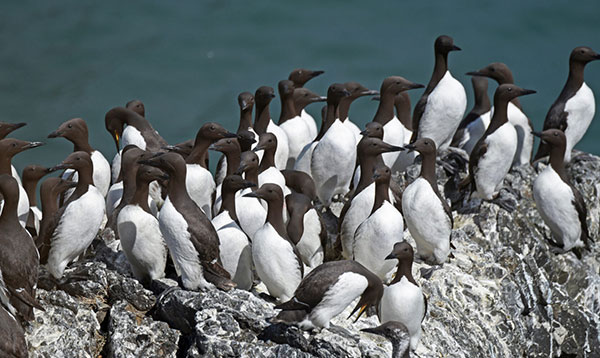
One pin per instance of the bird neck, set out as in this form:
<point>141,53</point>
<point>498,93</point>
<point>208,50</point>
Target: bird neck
<point>49,204</point>
<point>385,110</point>
<point>428,168</point>
<point>176,187</point>
<point>397,350</point>
<point>482,102</point>
<point>5,164</point>
<point>295,228</point>
<point>129,186</point>
<point>367,162</point>
<point>29,186</point>
<point>381,194</point>
<point>251,175</point>
<point>268,159</point>
<point>9,210</point>
<point>344,107</point>
<point>229,204</point>
<point>233,157</point>
<point>329,119</point>
<point>263,116</point>
<point>403,110</point>
<point>557,155</point>
<point>288,111</point>
<point>275,217</point>
<point>439,70</point>
<point>500,115</point>
<point>245,119</point>
<point>576,70</point>
<point>81,143</point>
<point>199,152</point>
<point>404,269</point>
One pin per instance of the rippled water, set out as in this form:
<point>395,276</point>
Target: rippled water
<point>188,60</point>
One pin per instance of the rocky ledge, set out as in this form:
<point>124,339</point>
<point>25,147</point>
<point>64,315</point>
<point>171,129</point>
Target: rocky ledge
<point>506,293</point>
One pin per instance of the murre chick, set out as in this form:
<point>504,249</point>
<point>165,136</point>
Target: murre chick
<point>80,217</point>
<point>381,229</point>
<point>10,147</point>
<point>192,240</point>
<point>139,232</point>
<point>326,292</point>
<point>264,124</point>
<point>333,158</point>
<point>403,300</point>
<point>19,259</point>
<point>76,131</point>
<point>235,250</point>
<point>573,110</point>
<point>441,107</point>
<point>397,334</point>
<point>560,204</point>
<point>275,257</point>
<point>422,205</point>
<point>503,75</point>
<point>472,127</point>
<point>491,158</point>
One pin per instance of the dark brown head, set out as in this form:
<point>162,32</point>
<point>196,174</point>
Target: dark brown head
<point>226,145</point>
<point>55,186</point>
<point>298,204</point>
<point>373,130</point>
<point>382,174</point>
<point>264,95</point>
<point>213,131</point>
<point>303,97</point>
<point>266,141</point>
<point>170,163</point>
<point>300,76</point>
<point>114,124</point>
<point>402,252</point>
<point>7,128</point>
<point>445,44</point>
<point>246,139</point>
<point>147,174</point>
<point>183,148</point>
<point>33,173</point>
<point>554,137</point>
<point>245,101</point>
<point>497,71</point>
<point>375,146</point>
<point>397,84</point>
<point>73,130</point>
<point>300,182</point>
<point>9,147</point>
<point>507,92</point>
<point>271,193</point>
<point>137,106</point>
<point>286,88</point>
<point>423,146</point>
<point>357,90</point>
<point>233,183</point>
<point>583,55</point>
<point>248,161</point>
<point>75,161</point>
<point>335,93</point>
<point>480,85</point>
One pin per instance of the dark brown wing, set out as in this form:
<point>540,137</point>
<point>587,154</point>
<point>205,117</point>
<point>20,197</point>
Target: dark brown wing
<point>478,152</point>
<point>555,119</point>
<point>582,212</point>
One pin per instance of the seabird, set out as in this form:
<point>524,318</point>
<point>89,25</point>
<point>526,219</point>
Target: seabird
<point>302,98</point>
<point>306,229</point>
<point>472,127</point>
<point>6,129</point>
<point>298,133</point>
<point>31,176</point>
<point>250,212</point>
<point>300,76</point>
<point>12,336</point>
<point>264,124</point>
<point>397,334</point>
<point>356,91</point>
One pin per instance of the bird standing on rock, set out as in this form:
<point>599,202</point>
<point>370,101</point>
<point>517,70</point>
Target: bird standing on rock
<point>440,109</point>
<point>559,203</point>
<point>472,127</point>
<point>397,334</point>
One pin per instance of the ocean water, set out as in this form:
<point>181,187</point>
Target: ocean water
<point>188,60</point>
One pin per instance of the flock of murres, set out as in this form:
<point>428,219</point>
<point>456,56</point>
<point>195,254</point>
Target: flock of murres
<point>256,219</point>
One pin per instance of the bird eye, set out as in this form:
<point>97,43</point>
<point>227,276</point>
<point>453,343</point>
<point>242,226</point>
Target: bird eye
<point>582,52</point>
<point>14,145</point>
<point>509,89</point>
<point>253,159</point>
<point>270,191</point>
<point>556,134</point>
<point>212,128</point>
<point>70,126</point>
<point>228,141</point>
<point>270,140</point>
<point>78,158</point>
<point>492,69</point>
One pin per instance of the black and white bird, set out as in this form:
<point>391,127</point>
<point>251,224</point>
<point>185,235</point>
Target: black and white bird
<point>275,257</point>
<point>403,300</point>
<point>306,229</point>
<point>440,109</point>
<point>300,76</point>
<point>422,204</point>
<point>263,123</point>
<point>192,240</point>
<point>397,334</point>
<point>251,212</point>
<point>31,176</point>
<point>326,292</point>
<point>559,203</point>
<point>472,127</point>
<point>356,91</point>
<point>573,110</point>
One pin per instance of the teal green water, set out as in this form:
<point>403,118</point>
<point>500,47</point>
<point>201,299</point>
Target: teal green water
<point>188,60</point>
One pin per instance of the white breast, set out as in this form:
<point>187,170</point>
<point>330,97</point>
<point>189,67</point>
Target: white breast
<point>445,108</point>
<point>174,229</point>
<point>496,162</point>
<point>404,302</point>
<point>375,238</point>
<point>23,208</point>
<point>142,243</point>
<point>310,123</point>
<point>333,161</point>
<point>116,166</point>
<point>580,109</point>
<point>76,229</point>
<point>340,295</point>
<point>101,174</point>
<point>524,137</point>
<point>201,186</point>
<point>276,263</point>
<point>474,131</point>
<point>250,212</point>
<point>394,134</point>
<point>132,135</point>
<point>283,146</point>
<point>273,175</point>
<point>37,217</point>
<point>235,251</point>
<point>554,200</point>
<point>359,211</point>
<point>303,162</point>
<point>421,207</point>
<point>298,135</point>
<point>113,197</point>
<point>354,129</point>
<point>309,247</point>
<point>15,174</point>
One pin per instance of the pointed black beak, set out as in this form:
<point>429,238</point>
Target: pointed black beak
<point>597,56</point>
<point>376,98</point>
<point>525,92</point>
<point>537,134</point>
<point>456,48</point>
<point>372,330</point>
<point>369,93</point>
<point>54,134</point>
<point>319,99</point>
<point>390,256</point>
<point>59,167</point>
<point>240,170</point>
<point>229,135</point>
<point>18,125</point>
<point>252,195</point>
<point>247,184</point>
<point>415,86</point>
<point>410,147</point>
<point>34,145</point>
<point>317,73</point>
<point>474,73</point>
<point>246,105</point>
